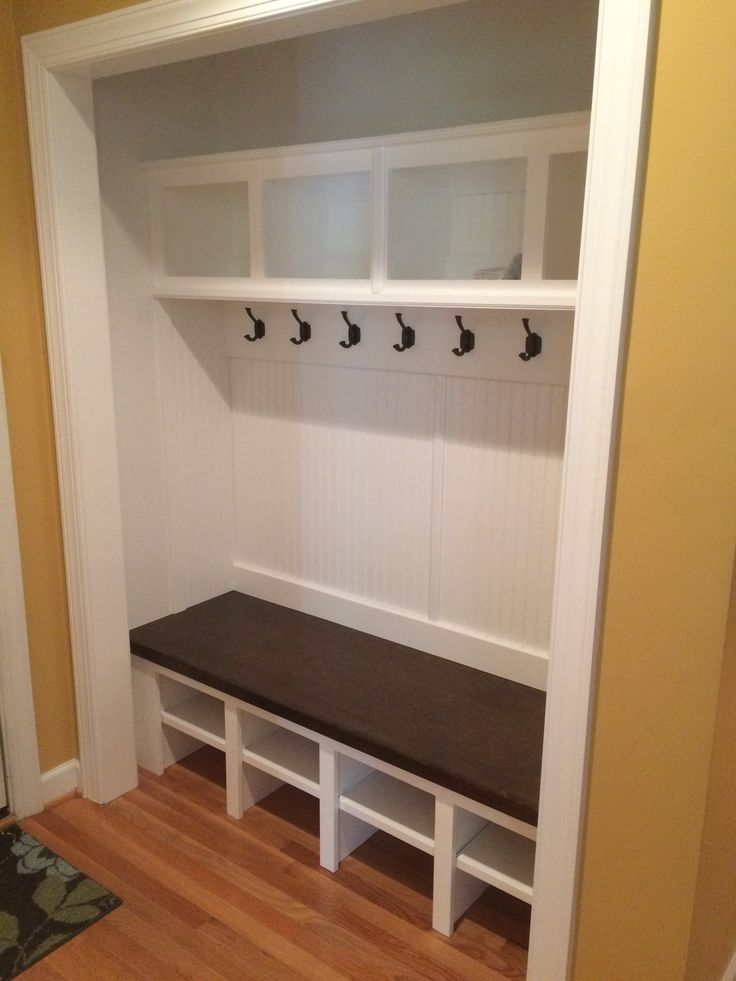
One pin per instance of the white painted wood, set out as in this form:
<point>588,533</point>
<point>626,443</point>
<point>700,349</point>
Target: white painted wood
<point>501,859</point>
<point>439,466</point>
<point>609,235</point>
<point>151,33</point>
<point>453,891</point>
<point>257,784</point>
<point>199,716</point>
<point>17,715</point>
<point>68,212</point>
<point>512,661</point>
<point>478,172</point>
<point>357,793</point>
<point>289,757</point>
<point>339,833</point>
<point>175,687</point>
<point>60,781</point>
<point>234,779</point>
<point>499,339</point>
<point>535,212</point>
<point>329,794</point>
<point>352,832</point>
<point>332,478</point>
<point>140,36</point>
<point>730,974</point>
<point>197,463</point>
<point>453,144</point>
<point>380,218</point>
<point>501,484</point>
<point>147,709</point>
<point>349,504</point>
<point>255,225</point>
<point>258,723</point>
<point>393,806</point>
<point>552,295</point>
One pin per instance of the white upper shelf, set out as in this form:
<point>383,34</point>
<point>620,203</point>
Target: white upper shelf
<point>473,216</point>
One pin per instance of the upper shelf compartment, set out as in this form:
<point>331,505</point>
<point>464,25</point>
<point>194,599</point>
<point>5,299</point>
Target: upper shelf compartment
<point>486,215</point>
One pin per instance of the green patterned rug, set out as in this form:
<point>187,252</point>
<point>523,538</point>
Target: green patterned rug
<point>44,901</point>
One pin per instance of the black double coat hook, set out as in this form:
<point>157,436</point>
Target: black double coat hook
<point>353,332</point>
<point>305,330</point>
<point>408,335</point>
<point>259,328</point>
<point>467,339</point>
<point>532,343</point>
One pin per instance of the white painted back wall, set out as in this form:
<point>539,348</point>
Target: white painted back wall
<point>175,390</point>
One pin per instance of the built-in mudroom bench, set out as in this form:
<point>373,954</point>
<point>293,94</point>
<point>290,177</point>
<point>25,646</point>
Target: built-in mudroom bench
<point>341,351</point>
<point>443,756</point>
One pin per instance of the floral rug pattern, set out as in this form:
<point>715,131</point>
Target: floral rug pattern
<point>44,901</point>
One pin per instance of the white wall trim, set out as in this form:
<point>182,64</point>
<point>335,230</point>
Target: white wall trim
<point>152,33</point>
<point>63,779</point>
<point>730,974</point>
<point>17,715</point>
<point>64,155</point>
<point>608,243</point>
<point>65,177</point>
<point>515,662</point>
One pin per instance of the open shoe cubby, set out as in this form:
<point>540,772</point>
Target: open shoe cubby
<point>472,844</point>
<point>469,214</point>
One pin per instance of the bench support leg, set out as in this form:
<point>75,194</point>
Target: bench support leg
<point>339,833</point>
<point>454,891</point>
<point>149,740</point>
<point>234,781</point>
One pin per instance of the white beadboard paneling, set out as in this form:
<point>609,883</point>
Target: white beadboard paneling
<point>195,411</point>
<point>424,492</point>
<point>421,482</point>
<point>502,468</point>
<point>333,477</point>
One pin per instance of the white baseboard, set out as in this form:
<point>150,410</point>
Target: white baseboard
<point>63,779</point>
<point>526,666</point>
<point>730,974</point>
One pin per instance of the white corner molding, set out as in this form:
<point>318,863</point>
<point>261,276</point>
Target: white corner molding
<point>59,782</point>
<point>17,716</point>
<point>159,32</point>
<point>64,155</point>
<point>608,244</point>
<point>59,65</point>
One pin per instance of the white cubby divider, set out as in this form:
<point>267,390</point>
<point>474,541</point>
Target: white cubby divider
<point>472,844</point>
<point>457,216</point>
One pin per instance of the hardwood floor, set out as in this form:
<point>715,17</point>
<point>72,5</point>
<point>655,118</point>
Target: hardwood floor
<point>208,897</point>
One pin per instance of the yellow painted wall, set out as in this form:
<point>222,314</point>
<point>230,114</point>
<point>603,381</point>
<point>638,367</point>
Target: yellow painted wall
<point>673,528</point>
<point>23,351</point>
<point>713,938</point>
<point>674,524</point>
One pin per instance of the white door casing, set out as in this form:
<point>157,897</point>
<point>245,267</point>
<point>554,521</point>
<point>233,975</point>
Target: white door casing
<point>17,716</point>
<point>59,65</point>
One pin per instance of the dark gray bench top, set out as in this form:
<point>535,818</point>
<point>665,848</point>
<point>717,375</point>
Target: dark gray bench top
<point>461,728</point>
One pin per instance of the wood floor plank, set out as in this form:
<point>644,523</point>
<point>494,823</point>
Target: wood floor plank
<point>208,898</point>
<point>368,920</point>
<point>158,908</point>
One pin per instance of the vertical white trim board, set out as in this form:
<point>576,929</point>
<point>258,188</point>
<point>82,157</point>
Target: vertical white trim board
<point>608,243</point>
<point>17,716</point>
<point>65,179</point>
